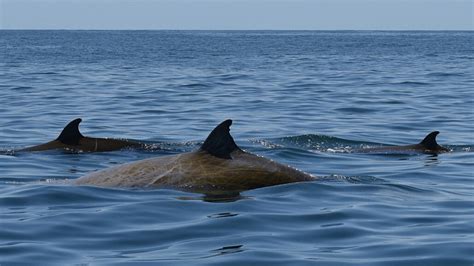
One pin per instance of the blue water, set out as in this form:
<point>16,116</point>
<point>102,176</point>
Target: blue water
<point>307,99</point>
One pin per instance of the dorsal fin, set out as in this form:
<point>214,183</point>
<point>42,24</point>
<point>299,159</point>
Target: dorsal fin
<point>70,134</point>
<point>429,141</point>
<point>220,143</point>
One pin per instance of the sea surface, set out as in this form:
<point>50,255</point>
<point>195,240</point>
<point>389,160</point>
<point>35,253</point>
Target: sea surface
<point>308,99</point>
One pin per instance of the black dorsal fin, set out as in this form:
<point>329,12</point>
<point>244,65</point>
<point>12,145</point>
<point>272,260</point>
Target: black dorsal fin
<point>70,134</point>
<point>220,143</point>
<point>429,141</point>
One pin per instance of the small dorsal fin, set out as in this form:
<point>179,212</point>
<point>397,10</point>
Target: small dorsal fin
<point>429,141</point>
<point>70,134</point>
<point>220,143</point>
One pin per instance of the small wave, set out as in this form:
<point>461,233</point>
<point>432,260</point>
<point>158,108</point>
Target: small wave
<point>468,149</point>
<point>393,102</point>
<point>34,181</point>
<point>42,47</point>
<point>22,88</point>
<point>184,146</point>
<point>444,74</point>
<point>355,110</point>
<point>44,73</point>
<point>411,83</point>
<point>460,148</point>
<point>372,180</point>
<point>354,179</point>
<point>407,188</point>
<point>196,85</point>
<point>267,143</point>
<point>231,77</point>
<point>7,152</point>
<point>318,143</point>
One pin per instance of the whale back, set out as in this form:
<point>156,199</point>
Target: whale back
<point>199,172</point>
<point>71,139</point>
<point>202,172</point>
<point>51,145</point>
<point>219,166</point>
<point>427,145</point>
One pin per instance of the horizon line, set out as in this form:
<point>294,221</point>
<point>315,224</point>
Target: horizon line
<point>113,29</point>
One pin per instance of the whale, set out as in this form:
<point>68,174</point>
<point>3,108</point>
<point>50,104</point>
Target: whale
<point>428,145</point>
<point>71,139</point>
<point>219,166</point>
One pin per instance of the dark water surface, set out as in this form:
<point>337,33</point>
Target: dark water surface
<point>307,99</point>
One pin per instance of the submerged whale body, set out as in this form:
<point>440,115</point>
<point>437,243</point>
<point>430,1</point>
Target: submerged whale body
<point>72,139</point>
<point>218,166</point>
<point>427,145</point>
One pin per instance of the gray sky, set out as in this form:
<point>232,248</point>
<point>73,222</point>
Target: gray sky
<point>238,14</point>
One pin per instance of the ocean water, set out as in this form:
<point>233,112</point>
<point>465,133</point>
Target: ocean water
<point>304,98</point>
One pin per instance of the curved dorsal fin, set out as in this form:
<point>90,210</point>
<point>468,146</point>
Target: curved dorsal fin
<point>70,134</point>
<point>430,140</point>
<point>220,143</point>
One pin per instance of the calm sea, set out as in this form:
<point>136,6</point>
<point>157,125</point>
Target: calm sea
<point>303,98</point>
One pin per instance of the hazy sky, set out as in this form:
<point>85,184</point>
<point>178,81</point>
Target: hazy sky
<point>238,14</point>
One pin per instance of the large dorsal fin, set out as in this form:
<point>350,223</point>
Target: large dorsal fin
<point>429,141</point>
<point>220,143</point>
<point>70,134</point>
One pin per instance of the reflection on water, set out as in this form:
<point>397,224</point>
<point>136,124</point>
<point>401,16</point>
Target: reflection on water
<point>222,215</point>
<point>227,250</point>
<point>217,198</point>
<point>432,160</point>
